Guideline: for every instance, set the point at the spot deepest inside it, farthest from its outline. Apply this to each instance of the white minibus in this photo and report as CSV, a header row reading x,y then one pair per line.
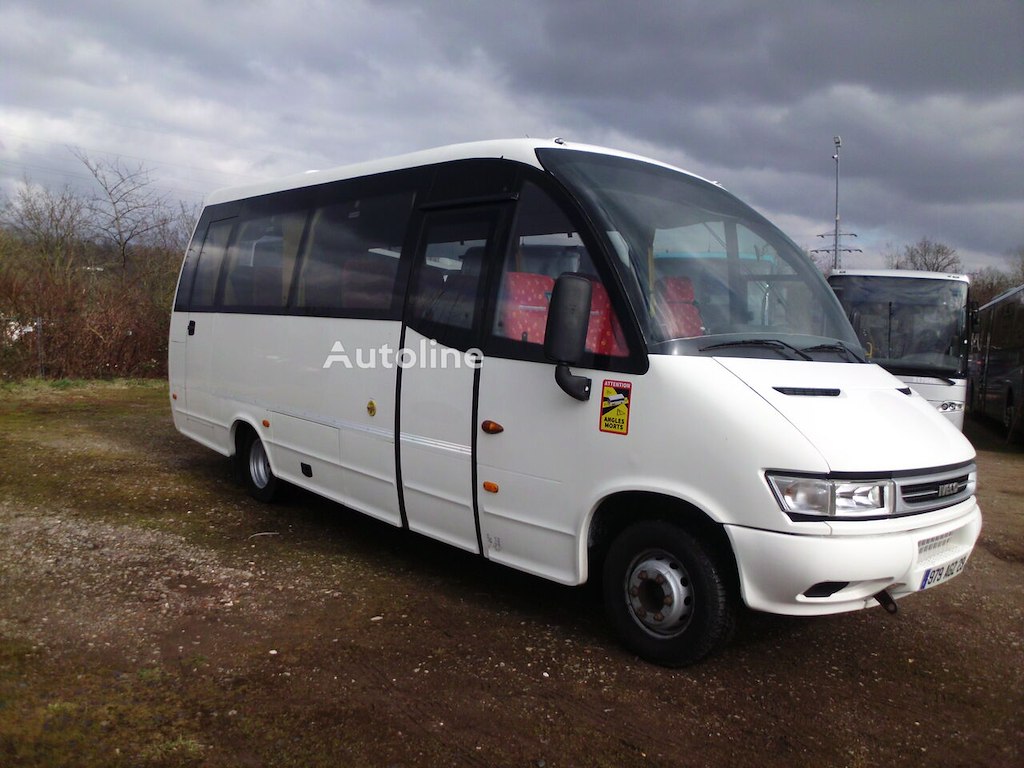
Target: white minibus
x,y
578,362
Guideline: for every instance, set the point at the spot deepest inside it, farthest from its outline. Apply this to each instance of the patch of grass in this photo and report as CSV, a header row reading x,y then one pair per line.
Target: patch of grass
x,y
179,750
57,715
48,389
61,709
150,674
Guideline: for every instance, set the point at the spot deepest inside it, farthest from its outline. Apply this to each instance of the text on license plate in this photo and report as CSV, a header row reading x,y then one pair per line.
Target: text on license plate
x,y
941,573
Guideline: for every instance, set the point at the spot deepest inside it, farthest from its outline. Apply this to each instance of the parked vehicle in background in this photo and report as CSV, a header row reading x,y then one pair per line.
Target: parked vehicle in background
x,y
997,361
915,325
576,362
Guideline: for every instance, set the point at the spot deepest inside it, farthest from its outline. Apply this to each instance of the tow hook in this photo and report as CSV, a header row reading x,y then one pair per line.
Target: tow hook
x,y
885,600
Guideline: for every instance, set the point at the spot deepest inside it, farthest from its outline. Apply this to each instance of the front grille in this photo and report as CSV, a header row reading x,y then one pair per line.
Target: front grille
x,y
925,493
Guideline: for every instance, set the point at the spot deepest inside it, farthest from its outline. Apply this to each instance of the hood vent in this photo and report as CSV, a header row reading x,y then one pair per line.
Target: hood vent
x,y
807,391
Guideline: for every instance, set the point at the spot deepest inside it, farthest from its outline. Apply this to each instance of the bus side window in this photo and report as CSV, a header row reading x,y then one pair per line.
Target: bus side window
x,y
544,245
445,298
350,267
261,260
207,271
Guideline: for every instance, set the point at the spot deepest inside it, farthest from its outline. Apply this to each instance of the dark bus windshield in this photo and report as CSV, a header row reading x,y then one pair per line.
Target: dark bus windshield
x,y
908,325
705,272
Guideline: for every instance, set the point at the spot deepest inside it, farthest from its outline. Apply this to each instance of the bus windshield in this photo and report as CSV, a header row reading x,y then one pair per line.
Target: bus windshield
x,y
707,274
908,325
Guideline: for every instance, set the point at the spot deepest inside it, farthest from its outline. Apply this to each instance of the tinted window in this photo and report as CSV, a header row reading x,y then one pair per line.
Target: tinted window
x,y
204,287
261,261
544,245
445,299
350,266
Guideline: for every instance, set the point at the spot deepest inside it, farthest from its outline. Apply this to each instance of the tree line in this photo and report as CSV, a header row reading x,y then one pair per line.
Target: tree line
x,y
930,256
87,279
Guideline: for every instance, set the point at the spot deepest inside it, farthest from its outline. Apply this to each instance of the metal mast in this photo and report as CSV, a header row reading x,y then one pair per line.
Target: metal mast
x,y
836,234
835,239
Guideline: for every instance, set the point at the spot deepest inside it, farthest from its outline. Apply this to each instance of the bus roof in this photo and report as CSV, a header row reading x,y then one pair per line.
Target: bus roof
x,y
520,150
902,273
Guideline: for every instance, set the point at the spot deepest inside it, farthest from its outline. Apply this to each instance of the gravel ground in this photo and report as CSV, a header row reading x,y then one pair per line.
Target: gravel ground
x,y
151,614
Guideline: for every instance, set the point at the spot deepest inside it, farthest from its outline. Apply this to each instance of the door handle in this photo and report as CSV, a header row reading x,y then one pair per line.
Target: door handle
x,y
191,327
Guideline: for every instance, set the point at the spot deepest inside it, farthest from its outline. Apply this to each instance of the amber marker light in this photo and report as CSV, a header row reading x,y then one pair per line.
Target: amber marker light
x,y
490,487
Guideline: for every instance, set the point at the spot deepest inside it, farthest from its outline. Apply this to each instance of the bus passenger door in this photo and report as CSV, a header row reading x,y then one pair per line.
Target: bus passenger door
x,y
437,372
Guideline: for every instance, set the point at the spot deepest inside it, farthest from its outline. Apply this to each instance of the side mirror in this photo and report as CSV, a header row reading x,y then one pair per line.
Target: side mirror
x,y
565,335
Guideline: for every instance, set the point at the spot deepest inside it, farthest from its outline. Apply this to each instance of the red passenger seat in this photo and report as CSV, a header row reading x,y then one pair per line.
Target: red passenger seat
x,y
604,335
524,309
677,308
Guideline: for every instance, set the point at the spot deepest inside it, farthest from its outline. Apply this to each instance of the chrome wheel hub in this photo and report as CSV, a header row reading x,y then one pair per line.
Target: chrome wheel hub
x,y
259,465
659,593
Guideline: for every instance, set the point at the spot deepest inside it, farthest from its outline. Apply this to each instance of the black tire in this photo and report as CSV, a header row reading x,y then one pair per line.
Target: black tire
x,y
254,467
665,594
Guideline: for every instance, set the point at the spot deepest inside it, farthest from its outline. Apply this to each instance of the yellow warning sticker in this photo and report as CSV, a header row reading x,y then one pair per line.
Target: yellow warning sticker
x,y
615,400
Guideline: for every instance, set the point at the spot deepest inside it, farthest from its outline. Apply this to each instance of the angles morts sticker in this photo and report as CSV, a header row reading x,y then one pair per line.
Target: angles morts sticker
x,y
615,401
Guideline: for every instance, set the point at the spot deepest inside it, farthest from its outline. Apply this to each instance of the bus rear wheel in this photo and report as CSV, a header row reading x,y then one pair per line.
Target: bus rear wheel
x,y
254,464
666,596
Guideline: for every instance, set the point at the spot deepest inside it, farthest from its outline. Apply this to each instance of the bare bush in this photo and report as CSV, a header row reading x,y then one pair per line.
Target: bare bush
x,y
86,282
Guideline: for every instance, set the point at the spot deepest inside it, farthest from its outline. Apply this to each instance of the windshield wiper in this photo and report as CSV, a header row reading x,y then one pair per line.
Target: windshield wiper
x,y
837,347
775,344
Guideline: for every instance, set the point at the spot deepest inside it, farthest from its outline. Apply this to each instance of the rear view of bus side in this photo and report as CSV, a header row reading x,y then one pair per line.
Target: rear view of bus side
x,y
997,362
577,362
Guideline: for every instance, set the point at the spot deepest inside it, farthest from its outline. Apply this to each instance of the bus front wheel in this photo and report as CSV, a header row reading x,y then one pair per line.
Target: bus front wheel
x,y
666,596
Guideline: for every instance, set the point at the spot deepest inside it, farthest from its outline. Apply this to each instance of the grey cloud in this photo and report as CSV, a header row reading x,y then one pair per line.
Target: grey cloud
x,y
929,97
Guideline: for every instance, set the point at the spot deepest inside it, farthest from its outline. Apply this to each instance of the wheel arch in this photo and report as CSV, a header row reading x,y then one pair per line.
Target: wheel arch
x,y
617,512
241,427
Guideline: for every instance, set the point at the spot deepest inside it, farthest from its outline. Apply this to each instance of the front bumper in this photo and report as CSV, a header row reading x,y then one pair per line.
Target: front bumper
x,y
800,575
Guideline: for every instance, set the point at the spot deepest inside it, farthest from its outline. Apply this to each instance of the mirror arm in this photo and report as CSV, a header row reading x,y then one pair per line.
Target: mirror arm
x,y
577,387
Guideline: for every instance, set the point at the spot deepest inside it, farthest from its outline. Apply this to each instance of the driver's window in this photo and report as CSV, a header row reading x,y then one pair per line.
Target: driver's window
x,y
544,244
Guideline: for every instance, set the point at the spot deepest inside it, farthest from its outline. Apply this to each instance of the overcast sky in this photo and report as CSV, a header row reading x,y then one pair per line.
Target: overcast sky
x,y
927,96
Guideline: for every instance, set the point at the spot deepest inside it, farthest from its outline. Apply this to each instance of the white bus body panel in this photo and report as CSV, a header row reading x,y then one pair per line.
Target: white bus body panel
x,y
437,460
868,426
701,430
695,424
941,393
277,368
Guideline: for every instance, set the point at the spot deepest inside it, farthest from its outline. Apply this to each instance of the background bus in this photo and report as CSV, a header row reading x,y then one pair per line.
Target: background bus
x,y
997,360
916,326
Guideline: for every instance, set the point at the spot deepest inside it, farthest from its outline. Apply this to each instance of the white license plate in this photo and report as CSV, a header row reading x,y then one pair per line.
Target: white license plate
x,y
941,573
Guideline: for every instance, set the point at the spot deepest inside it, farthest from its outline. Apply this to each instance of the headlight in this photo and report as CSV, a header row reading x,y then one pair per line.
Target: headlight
x,y
820,497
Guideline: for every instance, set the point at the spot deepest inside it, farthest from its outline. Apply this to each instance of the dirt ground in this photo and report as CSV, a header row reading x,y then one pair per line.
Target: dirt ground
x,y
151,614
